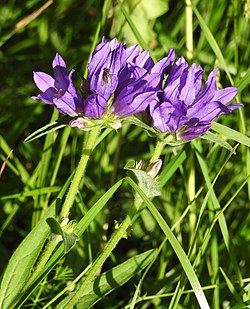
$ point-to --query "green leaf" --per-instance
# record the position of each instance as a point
(211, 40)
(244, 81)
(22, 261)
(241, 306)
(231, 287)
(216, 206)
(33, 193)
(171, 168)
(214, 138)
(48, 128)
(80, 228)
(231, 134)
(138, 21)
(132, 26)
(148, 184)
(83, 224)
(137, 122)
(187, 267)
(112, 279)
(26, 291)
(69, 239)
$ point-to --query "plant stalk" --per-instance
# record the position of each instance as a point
(80, 171)
(111, 244)
(115, 238)
(157, 151)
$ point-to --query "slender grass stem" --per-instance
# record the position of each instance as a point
(189, 29)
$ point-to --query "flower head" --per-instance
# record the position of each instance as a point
(121, 82)
(113, 74)
(59, 91)
(126, 76)
(182, 107)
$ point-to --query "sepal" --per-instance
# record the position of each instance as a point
(63, 233)
(145, 181)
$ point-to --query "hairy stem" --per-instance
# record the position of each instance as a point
(80, 171)
(115, 238)
(111, 244)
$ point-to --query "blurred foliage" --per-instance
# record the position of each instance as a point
(31, 32)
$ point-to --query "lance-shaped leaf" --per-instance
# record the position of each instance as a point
(112, 279)
(48, 128)
(22, 261)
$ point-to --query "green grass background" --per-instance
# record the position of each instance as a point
(216, 242)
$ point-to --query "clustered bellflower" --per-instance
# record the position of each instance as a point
(119, 83)
(185, 109)
(125, 81)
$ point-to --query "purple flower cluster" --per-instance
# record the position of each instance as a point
(183, 107)
(126, 81)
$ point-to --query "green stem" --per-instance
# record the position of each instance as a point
(42, 262)
(115, 238)
(157, 152)
(80, 171)
(189, 29)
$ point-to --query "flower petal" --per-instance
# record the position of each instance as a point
(209, 90)
(59, 91)
(144, 60)
(60, 73)
(225, 95)
(43, 81)
(156, 75)
(161, 115)
(163, 64)
(185, 109)
(194, 131)
(65, 105)
(131, 53)
(104, 66)
(94, 106)
(132, 99)
(172, 85)
(189, 84)
(47, 96)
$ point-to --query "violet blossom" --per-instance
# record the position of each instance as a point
(121, 82)
(59, 91)
(122, 75)
(185, 109)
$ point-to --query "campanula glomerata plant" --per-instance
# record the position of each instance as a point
(140, 204)
(123, 82)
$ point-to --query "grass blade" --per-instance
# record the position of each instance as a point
(187, 267)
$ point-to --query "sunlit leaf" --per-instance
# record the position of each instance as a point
(112, 279)
(23, 259)
(217, 140)
(48, 128)
(231, 134)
